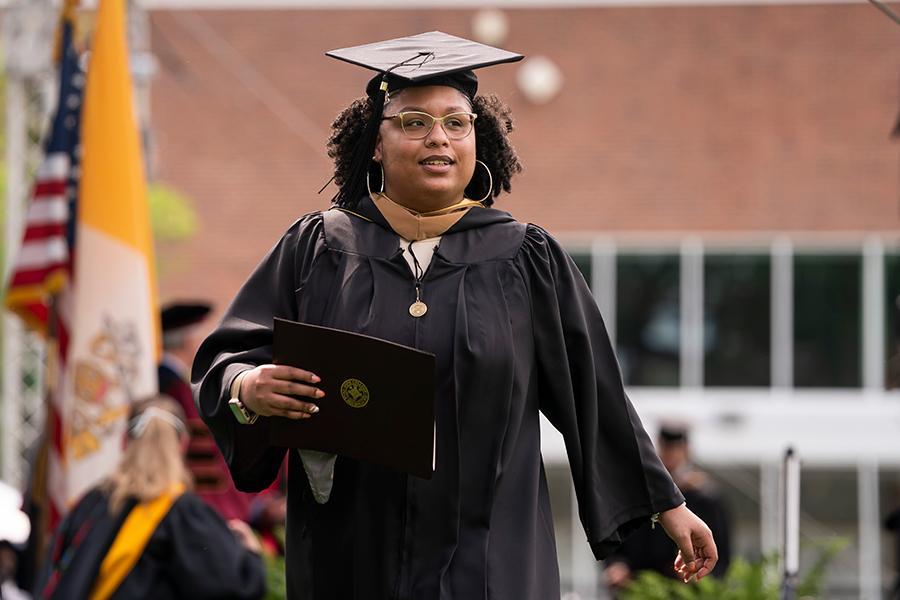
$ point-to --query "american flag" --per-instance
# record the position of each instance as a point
(40, 286)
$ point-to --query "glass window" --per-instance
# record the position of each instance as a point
(739, 486)
(559, 484)
(648, 318)
(827, 320)
(583, 262)
(829, 509)
(737, 331)
(892, 319)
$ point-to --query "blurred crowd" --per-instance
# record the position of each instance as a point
(167, 523)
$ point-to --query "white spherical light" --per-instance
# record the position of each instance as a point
(490, 26)
(539, 79)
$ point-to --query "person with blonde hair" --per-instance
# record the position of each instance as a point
(142, 533)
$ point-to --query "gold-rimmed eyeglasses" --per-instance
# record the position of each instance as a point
(417, 125)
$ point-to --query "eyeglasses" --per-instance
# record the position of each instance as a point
(417, 125)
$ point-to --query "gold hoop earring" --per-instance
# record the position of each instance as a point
(368, 186)
(490, 182)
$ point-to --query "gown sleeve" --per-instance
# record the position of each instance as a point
(619, 480)
(207, 559)
(243, 340)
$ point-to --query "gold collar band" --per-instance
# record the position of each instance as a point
(414, 226)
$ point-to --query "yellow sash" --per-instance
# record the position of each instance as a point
(130, 542)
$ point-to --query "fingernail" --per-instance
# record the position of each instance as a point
(319, 393)
(315, 379)
(314, 409)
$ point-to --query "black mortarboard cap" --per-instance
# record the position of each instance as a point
(673, 432)
(182, 314)
(433, 58)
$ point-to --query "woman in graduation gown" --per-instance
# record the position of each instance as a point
(405, 255)
(143, 535)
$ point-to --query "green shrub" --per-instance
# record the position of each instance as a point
(744, 581)
(275, 583)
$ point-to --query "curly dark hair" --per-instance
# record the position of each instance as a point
(492, 128)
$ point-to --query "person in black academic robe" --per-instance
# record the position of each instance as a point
(192, 553)
(515, 331)
(212, 483)
(649, 548)
(892, 524)
(144, 515)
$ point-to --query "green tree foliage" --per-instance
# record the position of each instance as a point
(171, 213)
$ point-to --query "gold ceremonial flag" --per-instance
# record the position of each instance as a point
(115, 339)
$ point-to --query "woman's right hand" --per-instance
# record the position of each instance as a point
(265, 389)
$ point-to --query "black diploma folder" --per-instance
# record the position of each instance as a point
(379, 397)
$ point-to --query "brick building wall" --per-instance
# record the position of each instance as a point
(725, 119)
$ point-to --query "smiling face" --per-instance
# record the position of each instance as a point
(432, 172)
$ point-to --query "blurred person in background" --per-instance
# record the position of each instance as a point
(650, 548)
(181, 323)
(892, 524)
(268, 514)
(413, 252)
(14, 530)
(142, 534)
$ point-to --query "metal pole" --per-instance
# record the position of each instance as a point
(782, 343)
(603, 282)
(585, 572)
(692, 349)
(873, 294)
(869, 531)
(770, 507)
(791, 507)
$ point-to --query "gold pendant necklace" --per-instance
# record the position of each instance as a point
(418, 308)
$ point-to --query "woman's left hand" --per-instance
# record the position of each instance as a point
(697, 554)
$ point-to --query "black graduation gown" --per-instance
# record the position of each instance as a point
(191, 554)
(515, 331)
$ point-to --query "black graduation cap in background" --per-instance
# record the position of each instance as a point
(176, 315)
(433, 58)
(673, 433)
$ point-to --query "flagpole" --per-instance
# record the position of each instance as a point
(48, 514)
